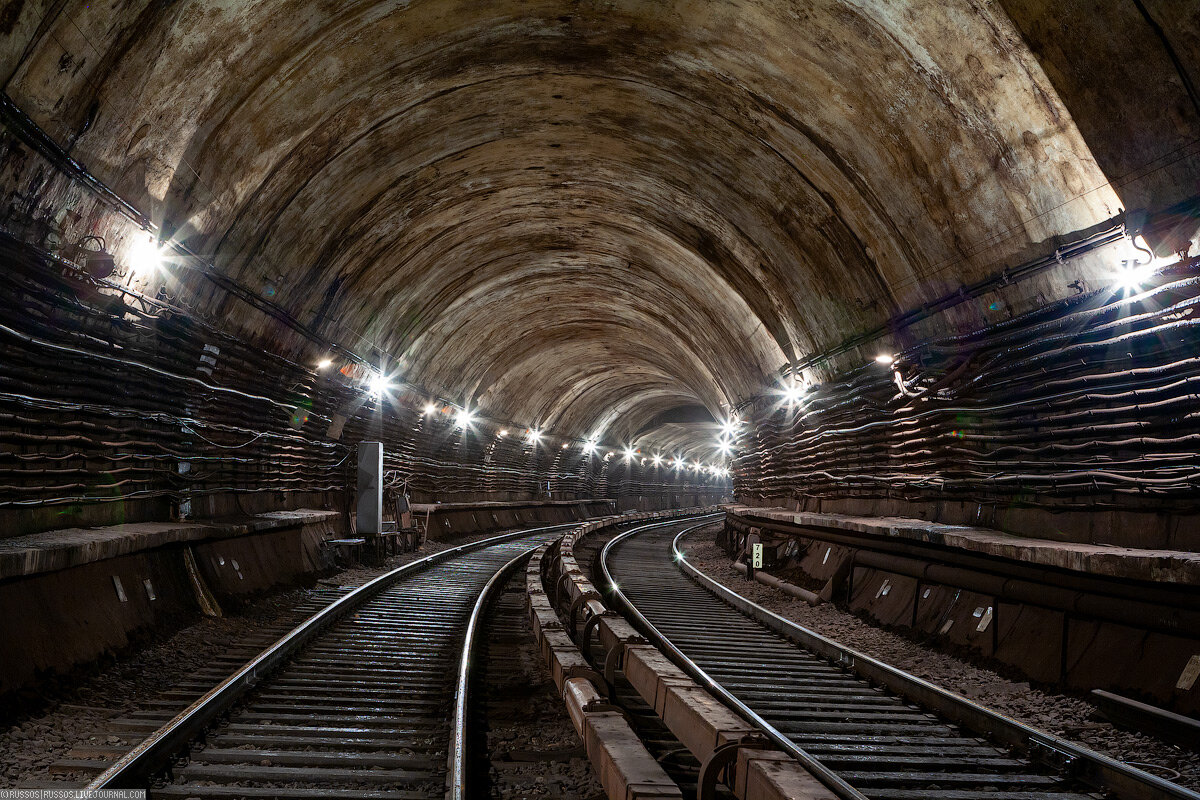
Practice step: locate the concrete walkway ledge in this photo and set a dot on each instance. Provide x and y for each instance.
(489, 505)
(1160, 566)
(37, 553)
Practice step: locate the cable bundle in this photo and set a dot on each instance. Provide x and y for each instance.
(1088, 402)
(109, 396)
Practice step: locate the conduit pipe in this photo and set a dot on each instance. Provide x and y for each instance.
(790, 589)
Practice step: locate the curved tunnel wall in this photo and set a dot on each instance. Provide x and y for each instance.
(1073, 422)
(587, 218)
(121, 409)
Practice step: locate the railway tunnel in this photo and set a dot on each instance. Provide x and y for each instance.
(586, 399)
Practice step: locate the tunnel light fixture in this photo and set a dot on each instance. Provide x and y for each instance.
(533, 436)
(589, 446)
(885, 359)
(324, 363)
(630, 453)
(730, 426)
(793, 392)
(724, 447)
(430, 409)
(1138, 265)
(145, 257)
(565, 445)
(657, 460)
(502, 433)
(1133, 275)
(697, 465)
(464, 418)
(379, 384)
(678, 463)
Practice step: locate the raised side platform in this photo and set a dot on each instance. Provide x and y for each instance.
(1170, 566)
(459, 518)
(1079, 615)
(69, 597)
(36, 553)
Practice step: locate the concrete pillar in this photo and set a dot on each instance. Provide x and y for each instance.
(370, 488)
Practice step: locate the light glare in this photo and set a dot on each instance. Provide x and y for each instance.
(1134, 275)
(145, 257)
(1139, 264)
(792, 392)
(379, 384)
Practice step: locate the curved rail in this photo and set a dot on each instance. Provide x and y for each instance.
(154, 753)
(456, 761)
(1091, 768)
(830, 779)
(648, 578)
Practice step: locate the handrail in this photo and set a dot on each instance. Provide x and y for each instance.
(828, 778)
(154, 752)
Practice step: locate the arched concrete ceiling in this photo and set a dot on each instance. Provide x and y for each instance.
(579, 215)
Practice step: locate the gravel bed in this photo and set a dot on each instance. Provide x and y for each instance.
(73, 709)
(533, 748)
(1064, 715)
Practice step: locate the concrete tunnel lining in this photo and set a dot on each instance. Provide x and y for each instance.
(779, 147)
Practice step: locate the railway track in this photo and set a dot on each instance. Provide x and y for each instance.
(364, 699)
(865, 729)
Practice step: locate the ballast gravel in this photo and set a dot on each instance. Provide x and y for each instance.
(72, 711)
(534, 749)
(1068, 716)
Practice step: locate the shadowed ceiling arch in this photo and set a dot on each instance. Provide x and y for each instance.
(579, 215)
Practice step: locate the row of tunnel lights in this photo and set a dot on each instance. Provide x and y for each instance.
(1132, 276)
(145, 257)
(379, 385)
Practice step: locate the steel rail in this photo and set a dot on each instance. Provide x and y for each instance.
(1091, 768)
(456, 761)
(154, 753)
(828, 778)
